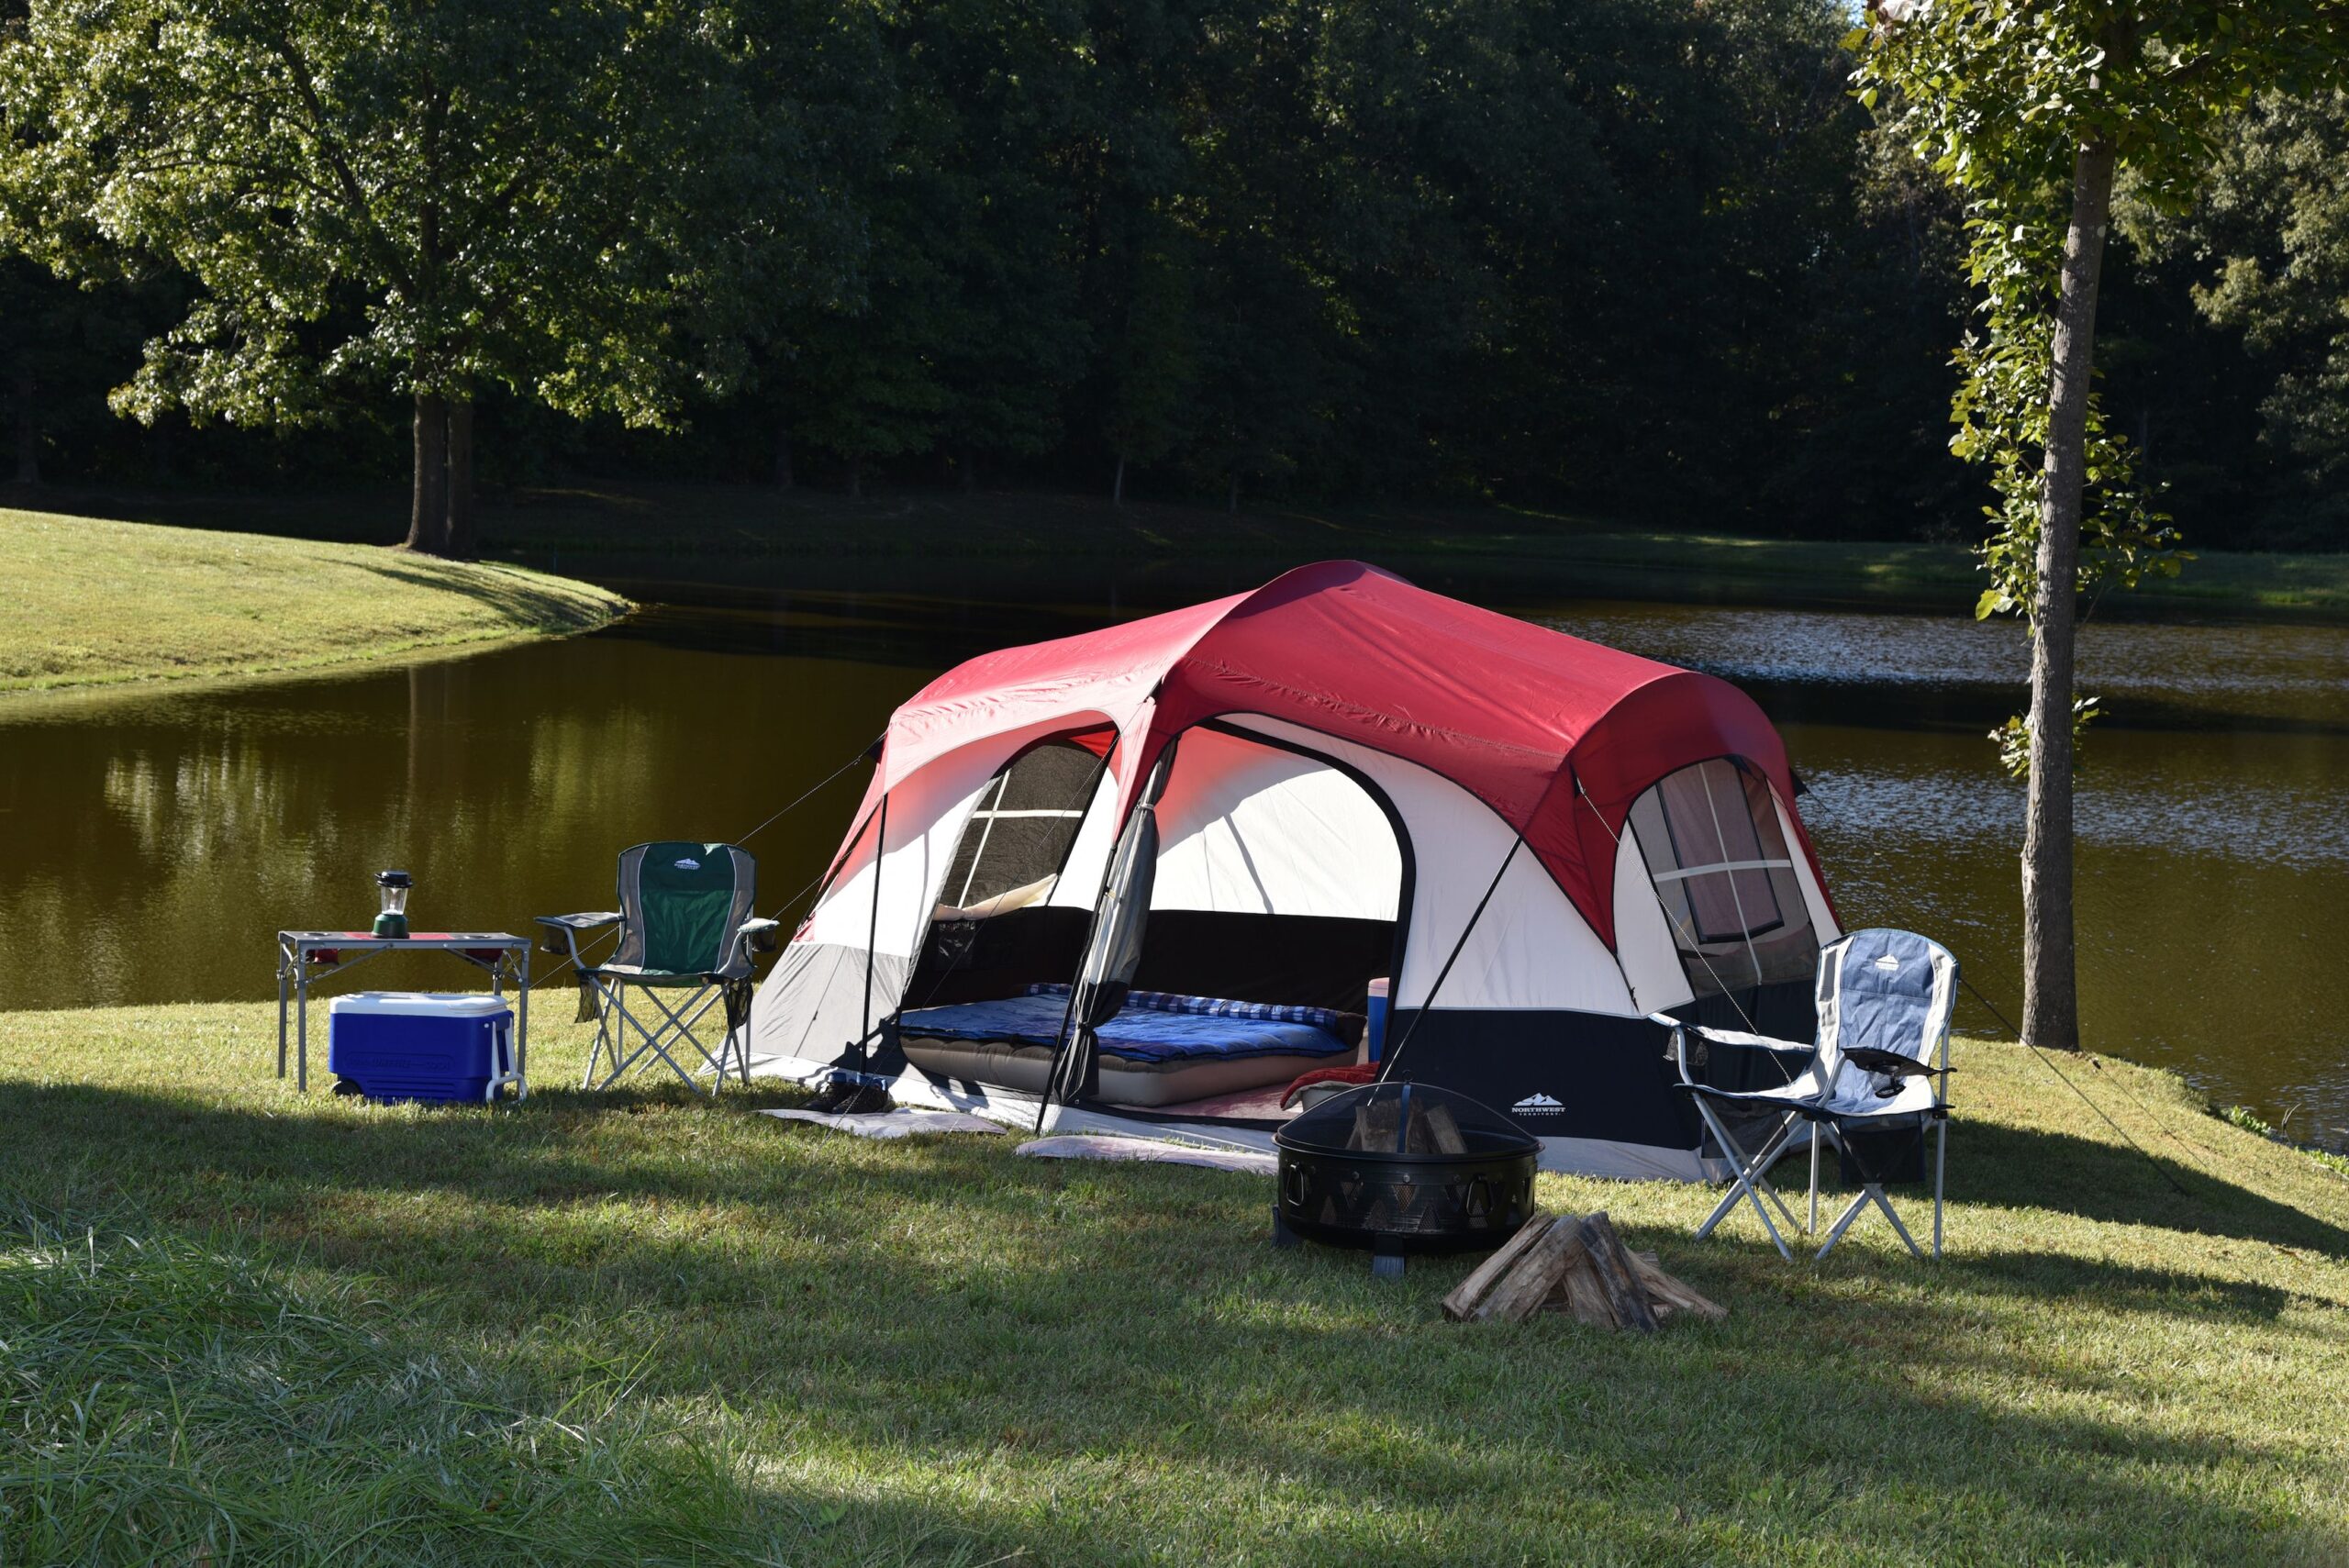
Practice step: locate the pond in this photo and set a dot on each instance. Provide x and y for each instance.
(152, 840)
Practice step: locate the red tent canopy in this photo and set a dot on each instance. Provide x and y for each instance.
(1557, 735)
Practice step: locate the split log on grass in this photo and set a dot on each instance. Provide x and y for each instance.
(1627, 1296)
(1470, 1293)
(1520, 1293)
(1667, 1292)
(1579, 1292)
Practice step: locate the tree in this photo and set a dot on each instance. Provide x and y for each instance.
(558, 199)
(2033, 109)
(2271, 231)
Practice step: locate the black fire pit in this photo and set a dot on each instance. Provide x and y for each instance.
(1402, 1168)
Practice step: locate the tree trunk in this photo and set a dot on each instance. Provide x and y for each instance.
(462, 541)
(855, 478)
(1118, 485)
(28, 430)
(2051, 1014)
(784, 478)
(428, 515)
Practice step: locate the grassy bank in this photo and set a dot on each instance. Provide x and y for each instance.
(878, 1353)
(85, 601)
(1044, 545)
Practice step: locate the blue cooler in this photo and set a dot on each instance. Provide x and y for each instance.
(415, 1045)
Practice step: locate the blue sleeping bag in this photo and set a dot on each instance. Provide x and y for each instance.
(1151, 1026)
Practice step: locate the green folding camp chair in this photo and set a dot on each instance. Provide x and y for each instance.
(687, 924)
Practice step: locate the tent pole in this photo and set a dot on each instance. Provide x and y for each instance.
(1111, 889)
(1387, 1067)
(873, 936)
(1077, 990)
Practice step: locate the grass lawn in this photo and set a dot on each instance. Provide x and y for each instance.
(85, 601)
(241, 1326)
(1041, 546)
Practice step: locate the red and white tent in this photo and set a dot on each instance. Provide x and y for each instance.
(1335, 778)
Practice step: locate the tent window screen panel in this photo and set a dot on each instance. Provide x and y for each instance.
(1019, 836)
(1726, 878)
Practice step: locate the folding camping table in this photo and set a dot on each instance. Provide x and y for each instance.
(299, 954)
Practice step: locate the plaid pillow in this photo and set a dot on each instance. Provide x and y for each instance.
(1329, 1018)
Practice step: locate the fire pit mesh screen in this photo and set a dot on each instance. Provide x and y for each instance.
(1405, 1166)
(1404, 1120)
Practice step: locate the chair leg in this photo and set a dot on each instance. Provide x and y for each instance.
(1903, 1230)
(677, 1023)
(1843, 1224)
(694, 1011)
(1812, 1228)
(1747, 1177)
(1872, 1192)
(603, 1047)
(1940, 1165)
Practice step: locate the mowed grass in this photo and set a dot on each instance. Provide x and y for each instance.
(85, 601)
(809, 1349)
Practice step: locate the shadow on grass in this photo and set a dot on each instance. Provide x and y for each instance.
(980, 1341)
(516, 596)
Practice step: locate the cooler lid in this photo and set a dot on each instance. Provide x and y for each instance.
(421, 1004)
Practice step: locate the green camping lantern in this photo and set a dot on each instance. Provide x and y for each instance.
(392, 919)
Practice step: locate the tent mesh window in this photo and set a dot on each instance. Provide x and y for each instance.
(1726, 878)
(1020, 832)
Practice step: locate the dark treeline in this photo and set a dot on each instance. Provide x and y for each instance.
(1643, 258)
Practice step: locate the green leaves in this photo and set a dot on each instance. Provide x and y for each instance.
(2013, 738)
(376, 197)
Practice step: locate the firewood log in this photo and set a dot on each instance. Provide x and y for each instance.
(1520, 1293)
(1460, 1305)
(1627, 1296)
(1665, 1291)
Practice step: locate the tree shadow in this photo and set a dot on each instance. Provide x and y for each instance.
(521, 598)
(2027, 1168)
(913, 1311)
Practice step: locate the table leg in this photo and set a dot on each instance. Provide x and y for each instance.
(281, 1012)
(522, 1031)
(302, 1033)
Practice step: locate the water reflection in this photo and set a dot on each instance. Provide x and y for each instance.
(150, 841)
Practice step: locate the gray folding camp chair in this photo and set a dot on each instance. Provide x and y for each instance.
(1880, 1066)
(687, 925)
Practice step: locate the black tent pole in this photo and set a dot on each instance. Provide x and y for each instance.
(873, 936)
(1444, 973)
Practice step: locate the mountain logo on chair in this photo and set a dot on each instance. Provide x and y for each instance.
(689, 866)
(1538, 1104)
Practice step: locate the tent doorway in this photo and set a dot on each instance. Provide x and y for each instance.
(1279, 886)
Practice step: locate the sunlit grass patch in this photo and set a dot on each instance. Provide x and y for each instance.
(86, 602)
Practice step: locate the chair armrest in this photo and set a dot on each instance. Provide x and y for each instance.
(757, 935)
(1681, 1030)
(560, 933)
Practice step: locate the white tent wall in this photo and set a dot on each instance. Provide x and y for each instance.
(1643, 944)
(1531, 950)
(1252, 829)
(1088, 856)
(1822, 918)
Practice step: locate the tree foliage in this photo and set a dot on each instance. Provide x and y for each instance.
(2268, 236)
(427, 199)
